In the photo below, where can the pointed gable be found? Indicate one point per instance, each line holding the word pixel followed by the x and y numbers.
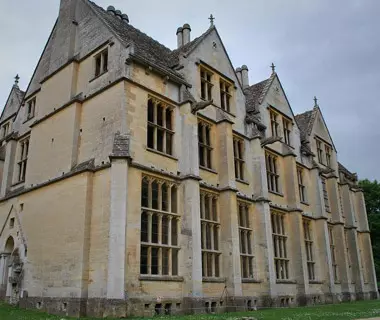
pixel 305 123
pixel 13 103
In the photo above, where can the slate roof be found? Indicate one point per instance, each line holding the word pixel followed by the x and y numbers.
pixel 305 122
pixel 348 173
pixel 255 94
pixel 145 46
pixel 11 105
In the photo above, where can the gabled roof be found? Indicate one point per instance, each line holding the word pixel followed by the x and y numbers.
pixel 188 47
pixel 346 172
pixel 305 122
pixel 145 46
pixel 255 94
pixel 13 102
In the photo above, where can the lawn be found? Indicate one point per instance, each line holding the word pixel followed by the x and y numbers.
pixel 346 311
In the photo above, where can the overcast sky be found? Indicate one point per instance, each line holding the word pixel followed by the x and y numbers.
pixel 325 48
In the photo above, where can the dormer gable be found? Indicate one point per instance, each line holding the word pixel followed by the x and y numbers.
pixel 13 103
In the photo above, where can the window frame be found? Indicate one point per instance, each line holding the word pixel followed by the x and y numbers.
pixel 246 241
pixel 164 247
pixel 325 194
pixel 102 67
pixel 309 248
pixel 334 262
pixel 328 152
pixel 164 131
pixel 280 249
pixel 239 155
pixel 273 178
pixel 225 95
pixel 287 130
pixel 31 106
pixel 301 186
pixel 274 124
pixel 205 148
pixel 210 234
pixel 22 162
pixel 206 83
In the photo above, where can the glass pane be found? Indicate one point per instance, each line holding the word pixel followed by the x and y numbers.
pixel 144 193
pixel 165 261
pixel 150 137
pixel 154 228
pixel 159 114
pixel 150 111
pixel 169 139
pixel 174 199
pixel 174 262
pixel 164 197
pixel 154 264
pixel 165 229
pixel 144 260
pixel 144 227
pixel 174 232
pixel 160 140
pixel 168 119
pixel 154 195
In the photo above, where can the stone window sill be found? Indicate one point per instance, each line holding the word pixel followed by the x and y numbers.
pixel 161 153
pixel 315 282
pixel 242 181
pixel 213 279
pixel 305 203
pixel 17 183
pixel 208 169
pixel 337 282
pixel 276 193
pixel 247 280
pixel 160 278
pixel 286 281
pixel 98 76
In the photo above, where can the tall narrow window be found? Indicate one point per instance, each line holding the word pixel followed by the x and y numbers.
pixel 225 95
pixel 272 173
pixel 31 106
pixel 319 151
pixel 309 249
pixel 23 159
pixel 281 260
pixel 210 226
pixel 101 63
pixel 160 126
pixel 333 255
pixel 239 158
pixel 5 130
pixel 301 185
pixel 328 155
pixel 245 239
pixel 274 123
pixel 287 126
pixel 206 84
pixel 325 194
pixel 204 143
pixel 348 252
pixel 159 228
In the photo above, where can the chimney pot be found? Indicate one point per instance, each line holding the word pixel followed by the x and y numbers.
pixel 186 33
pixel 179 37
pixel 118 14
pixel 125 18
pixel 244 76
pixel 238 74
pixel 111 9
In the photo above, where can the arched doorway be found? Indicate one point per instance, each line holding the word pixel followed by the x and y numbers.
pixel 4 265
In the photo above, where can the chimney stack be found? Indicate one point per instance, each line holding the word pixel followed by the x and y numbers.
pixel 111 10
pixel 186 33
pixel 238 74
pixel 244 76
pixel 179 37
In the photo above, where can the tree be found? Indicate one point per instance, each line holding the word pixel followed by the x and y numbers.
pixel 371 191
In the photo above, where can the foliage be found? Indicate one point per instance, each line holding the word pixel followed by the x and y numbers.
pixel 371 191
pixel 346 311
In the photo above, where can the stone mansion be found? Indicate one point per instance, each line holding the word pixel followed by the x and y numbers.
pixel 140 180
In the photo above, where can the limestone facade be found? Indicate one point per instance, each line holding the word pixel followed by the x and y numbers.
pixel 137 180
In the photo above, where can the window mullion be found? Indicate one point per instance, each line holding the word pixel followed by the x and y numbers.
pixel 150 227
pixel 155 106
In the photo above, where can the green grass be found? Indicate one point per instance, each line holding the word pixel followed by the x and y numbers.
pixel 344 311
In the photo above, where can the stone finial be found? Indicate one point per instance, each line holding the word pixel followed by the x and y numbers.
pixel 17 78
pixel 273 67
pixel 211 18
pixel 315 101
